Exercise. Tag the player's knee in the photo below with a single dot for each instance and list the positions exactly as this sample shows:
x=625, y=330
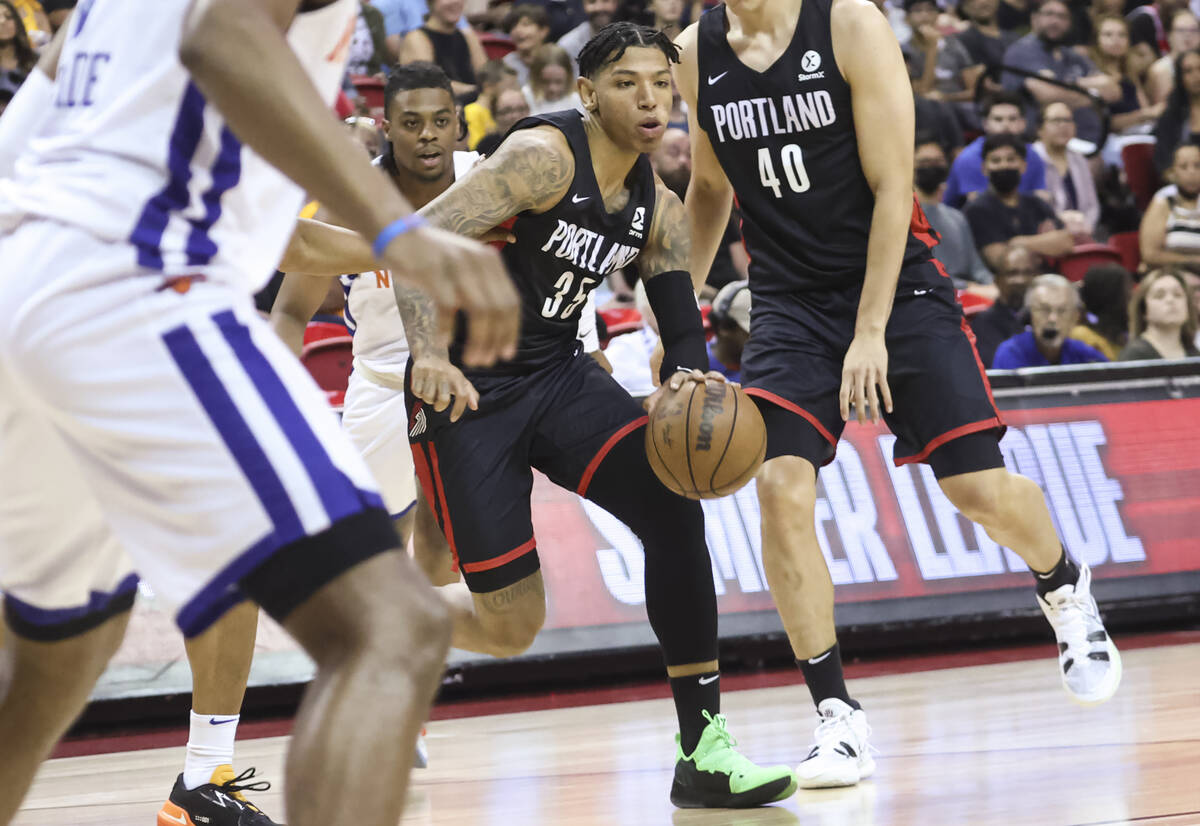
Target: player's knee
x=981, y=498
x=786, y=489
x=515, y=632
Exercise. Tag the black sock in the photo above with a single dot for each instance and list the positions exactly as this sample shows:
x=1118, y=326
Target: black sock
x=823, y=674
x=1064, y=572
x=694, y=694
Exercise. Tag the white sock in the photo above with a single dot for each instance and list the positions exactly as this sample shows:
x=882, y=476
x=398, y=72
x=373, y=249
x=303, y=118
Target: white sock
x=210, y=744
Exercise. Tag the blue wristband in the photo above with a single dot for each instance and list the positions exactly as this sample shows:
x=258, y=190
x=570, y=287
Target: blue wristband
x=394, y=230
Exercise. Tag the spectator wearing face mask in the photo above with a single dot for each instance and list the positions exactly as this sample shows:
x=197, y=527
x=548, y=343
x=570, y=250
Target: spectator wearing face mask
x=1006, y=317
x=1170, y=231
x=1002, y=216
x=1002, y=115
x=956, y=247
x=1053, y=308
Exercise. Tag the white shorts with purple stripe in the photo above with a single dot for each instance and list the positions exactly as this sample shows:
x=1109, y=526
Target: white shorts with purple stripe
x=150, y=430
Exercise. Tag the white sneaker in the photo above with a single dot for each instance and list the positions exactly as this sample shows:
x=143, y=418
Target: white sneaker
x=421, y=760
x=841, y=755
x=1090, y=662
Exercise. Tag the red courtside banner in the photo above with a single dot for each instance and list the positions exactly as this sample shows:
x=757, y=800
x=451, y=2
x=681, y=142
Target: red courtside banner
x=1122, y=480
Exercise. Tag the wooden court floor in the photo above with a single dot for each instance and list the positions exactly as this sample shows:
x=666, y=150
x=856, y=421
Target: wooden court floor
x=993, y=744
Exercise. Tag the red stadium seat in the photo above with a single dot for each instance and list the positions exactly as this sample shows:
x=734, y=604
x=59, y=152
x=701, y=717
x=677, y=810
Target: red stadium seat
x=972, y=303
x=325, y=330
x=329, y=361
x=621, y=320
x=370, y=88
x=1128, y=245
x=1140, y=172
x=1085, y=256
x=496, y=45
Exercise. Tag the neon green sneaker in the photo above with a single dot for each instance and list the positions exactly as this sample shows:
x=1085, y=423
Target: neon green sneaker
x=715, y=776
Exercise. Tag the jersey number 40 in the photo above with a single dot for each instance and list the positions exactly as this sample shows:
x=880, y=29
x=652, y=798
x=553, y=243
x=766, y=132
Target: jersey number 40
x=793, y=170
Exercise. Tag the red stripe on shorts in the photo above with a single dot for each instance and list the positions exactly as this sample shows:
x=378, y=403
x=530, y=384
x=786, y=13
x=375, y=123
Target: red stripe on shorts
x=594, y=465
x=795, y=408
x=503, y=559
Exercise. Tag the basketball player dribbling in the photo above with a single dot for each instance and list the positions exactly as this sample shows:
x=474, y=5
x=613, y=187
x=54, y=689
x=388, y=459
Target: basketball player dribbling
x=152, y=424
x=802, y=109
x=583, y=202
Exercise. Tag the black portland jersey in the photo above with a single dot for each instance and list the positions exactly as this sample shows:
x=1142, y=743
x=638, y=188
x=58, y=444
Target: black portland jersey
x=786, y=140
x=562, y=254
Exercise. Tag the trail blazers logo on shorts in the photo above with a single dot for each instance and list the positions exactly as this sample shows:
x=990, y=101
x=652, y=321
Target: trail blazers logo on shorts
x=418, y=425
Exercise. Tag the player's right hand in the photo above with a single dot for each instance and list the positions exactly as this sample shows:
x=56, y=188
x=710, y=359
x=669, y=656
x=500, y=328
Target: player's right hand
x=461, y=274
x=437, y=382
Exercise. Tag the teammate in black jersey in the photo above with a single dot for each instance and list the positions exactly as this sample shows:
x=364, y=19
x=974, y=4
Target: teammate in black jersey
x=802, y=109
x=583, y=202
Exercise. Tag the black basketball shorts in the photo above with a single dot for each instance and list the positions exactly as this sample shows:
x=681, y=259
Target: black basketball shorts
x=477, y=473
x=944, y=413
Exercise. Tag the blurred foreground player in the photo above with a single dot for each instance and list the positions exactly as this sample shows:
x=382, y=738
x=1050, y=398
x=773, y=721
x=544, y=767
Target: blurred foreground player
x=150, y=422
x=802, y=109
x=583, y=202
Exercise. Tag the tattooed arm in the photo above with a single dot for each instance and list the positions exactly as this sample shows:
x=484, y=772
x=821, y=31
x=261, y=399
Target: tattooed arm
x=669, y=244
x=532, y=170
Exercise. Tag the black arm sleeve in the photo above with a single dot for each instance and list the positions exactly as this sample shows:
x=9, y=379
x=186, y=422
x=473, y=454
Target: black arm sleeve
x=679, y=325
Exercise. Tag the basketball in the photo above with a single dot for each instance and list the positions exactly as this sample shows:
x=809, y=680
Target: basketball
x=705, y=441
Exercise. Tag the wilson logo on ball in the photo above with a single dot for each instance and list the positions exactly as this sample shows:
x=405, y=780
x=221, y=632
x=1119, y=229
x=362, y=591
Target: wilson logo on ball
x=714, y=405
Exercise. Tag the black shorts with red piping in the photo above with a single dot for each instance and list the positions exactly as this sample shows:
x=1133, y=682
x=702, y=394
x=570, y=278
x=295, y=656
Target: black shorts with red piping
x=477, y=473
x=944, y=413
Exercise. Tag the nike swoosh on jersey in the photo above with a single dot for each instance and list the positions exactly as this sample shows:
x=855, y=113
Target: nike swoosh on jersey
x=575, y=199
x=712, y=80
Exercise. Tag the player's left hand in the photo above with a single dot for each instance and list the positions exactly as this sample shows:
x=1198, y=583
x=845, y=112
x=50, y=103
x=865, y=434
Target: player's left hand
x=865, y=368
x=437, y=382
x=677, y=380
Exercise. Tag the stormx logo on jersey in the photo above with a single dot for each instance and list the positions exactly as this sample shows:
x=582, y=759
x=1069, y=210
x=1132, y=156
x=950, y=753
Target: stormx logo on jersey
x=810, y=63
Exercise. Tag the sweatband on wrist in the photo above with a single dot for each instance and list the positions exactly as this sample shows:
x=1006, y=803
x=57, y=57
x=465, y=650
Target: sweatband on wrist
x=24, y=117
x=394, y=230
x=679, y=325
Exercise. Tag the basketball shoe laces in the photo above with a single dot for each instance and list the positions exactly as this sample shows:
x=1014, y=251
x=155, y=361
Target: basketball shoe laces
x=1075, y=614
x=235, y=786
x=722, y=756
x=831, y=733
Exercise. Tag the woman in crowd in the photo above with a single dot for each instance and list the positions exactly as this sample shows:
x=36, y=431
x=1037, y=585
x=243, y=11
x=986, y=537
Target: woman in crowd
x=1183, y=35
x=17, y=57
x=668, y=16
x=551, y=81
x=1169, y=234
x=1162, y=319
x=457, y=51
x=1105, y=294
x=1181, y=116
x=1068, y=178
x=1111, y=53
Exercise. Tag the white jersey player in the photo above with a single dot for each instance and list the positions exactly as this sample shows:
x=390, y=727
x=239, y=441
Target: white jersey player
x=151, y=424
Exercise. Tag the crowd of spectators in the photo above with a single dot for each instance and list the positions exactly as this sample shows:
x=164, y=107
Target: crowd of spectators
x=1039, y=122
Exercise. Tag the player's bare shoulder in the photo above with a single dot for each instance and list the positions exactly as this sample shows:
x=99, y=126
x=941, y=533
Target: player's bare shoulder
x=857, y=27
x=542, y=159
x=687, y=71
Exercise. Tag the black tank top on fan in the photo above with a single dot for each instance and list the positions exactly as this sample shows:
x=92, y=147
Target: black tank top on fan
x=453, y=55
x=562, y=254
x=786, y=140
